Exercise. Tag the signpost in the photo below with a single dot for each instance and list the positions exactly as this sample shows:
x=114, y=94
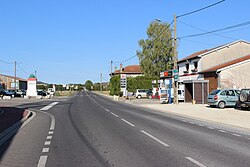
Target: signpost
x=123, y=84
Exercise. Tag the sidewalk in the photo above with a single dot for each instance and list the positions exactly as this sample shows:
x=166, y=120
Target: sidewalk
x=227, y=116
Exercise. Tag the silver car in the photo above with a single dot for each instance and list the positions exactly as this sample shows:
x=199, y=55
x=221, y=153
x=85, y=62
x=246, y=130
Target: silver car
x=223, y=98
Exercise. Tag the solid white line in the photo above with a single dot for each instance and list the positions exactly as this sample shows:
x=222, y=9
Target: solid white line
x=45, y=150
x=49, y=137
x=106, y=109
x=49, y=106
x=114, y=114
x=159, y=141
x=128, y=122
x=236, y=135
x=195, y=162
x=47, y=143
x=210, y=128
x=222, y=131
x=42, y=161
x=51, y=132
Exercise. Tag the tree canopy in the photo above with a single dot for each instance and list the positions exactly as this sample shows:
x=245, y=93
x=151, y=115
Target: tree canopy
x=88, y=84
x=156, y=53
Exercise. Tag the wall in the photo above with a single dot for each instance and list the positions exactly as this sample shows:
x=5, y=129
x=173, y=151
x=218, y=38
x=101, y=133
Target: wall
x=237, y=76
x=213, y=80
x=224, y=55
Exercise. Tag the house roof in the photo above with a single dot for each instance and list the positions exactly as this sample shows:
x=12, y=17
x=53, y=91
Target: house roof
x=215, y=68
x=12, y=77
x=206, y=51
x=131, y=69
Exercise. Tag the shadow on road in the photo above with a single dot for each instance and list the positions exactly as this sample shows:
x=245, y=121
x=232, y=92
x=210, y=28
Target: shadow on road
x=10, y=123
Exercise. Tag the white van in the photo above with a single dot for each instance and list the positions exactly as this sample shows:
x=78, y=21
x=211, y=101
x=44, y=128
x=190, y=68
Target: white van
x=141, y=93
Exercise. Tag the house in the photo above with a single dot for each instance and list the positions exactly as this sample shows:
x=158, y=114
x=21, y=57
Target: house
x=130, y=71
x=224, y=66
x=8, y=82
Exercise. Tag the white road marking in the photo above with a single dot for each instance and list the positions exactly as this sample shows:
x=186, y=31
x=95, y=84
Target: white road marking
x=114, y=114
x=151, y=136
x=49, y=137
x=51, y=132
x=47, y=143
x=236, y=135
x=49, y=106
x=200, y=125
x=222, y=131
x=45, y=150
x=183, y=120
x=53, y=122
x=192, y=123
x=128, y=122
x=106, y=109
x=210, y=127
x=42, y=161
x=195, y=162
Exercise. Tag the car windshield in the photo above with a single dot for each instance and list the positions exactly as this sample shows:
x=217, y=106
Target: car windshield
x=214, y=92
x=247, y=91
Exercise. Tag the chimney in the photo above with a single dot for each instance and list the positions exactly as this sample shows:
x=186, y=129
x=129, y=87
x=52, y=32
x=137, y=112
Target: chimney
x=121, y=67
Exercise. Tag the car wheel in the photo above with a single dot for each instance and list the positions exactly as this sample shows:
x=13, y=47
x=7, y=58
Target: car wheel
x=139, y=96
x=221, y=104
x=243, y=97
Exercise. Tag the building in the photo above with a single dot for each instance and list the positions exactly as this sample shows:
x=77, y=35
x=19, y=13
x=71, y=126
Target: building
x=8, y=82
x=224, y=66
x=130, y=71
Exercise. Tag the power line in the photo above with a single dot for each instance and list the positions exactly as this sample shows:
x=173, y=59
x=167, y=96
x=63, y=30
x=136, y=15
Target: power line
x=22, y=69
x=222, y=29
x=148, y=45
x=200, y=9
x=207, y=31
x=6, y=62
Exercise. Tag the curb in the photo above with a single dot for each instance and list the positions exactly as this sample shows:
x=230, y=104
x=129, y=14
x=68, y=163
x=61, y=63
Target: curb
x=9, y=132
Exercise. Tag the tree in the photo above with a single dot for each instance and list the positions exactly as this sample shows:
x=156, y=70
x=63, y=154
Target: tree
x=115, y=85
x=156, y=52
x=88, y=84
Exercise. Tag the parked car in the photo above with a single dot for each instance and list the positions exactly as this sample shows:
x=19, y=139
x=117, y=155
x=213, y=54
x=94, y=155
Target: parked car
x=141, y=93
x=222, y=98
x=244, y=99
x=6, y=92
x=149, y=94
x=20, y=93
x=41, y=93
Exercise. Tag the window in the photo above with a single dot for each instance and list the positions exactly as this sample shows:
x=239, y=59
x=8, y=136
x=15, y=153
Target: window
x=187, y=67
x=223, y=93
x=195, y=65
x=230, y=93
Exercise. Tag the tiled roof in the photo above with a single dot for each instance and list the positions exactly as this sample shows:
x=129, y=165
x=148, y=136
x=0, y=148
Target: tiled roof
x=196, y=54
x=132, y=69
x=215, y=68
x=17, y=78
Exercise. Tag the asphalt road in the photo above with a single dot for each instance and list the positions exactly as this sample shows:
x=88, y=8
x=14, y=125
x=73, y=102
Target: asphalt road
x=89, y=130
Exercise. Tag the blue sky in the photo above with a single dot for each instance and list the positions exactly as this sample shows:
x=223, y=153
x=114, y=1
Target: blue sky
x=71, y=41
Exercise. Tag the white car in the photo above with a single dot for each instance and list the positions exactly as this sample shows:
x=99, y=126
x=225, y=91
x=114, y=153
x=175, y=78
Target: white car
x=141, y=93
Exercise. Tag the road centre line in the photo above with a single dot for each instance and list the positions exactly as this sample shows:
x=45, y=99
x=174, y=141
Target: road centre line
x=236, y=135
x=49, y=106
x=106, y=109
x=128, y=122
x=154, y=138
x=222, y=131
x=49, y=137
x=47, y=143
x=114, y=114
x=45, y=150
x=195, y=162
x=51, y=132
x=42, y=161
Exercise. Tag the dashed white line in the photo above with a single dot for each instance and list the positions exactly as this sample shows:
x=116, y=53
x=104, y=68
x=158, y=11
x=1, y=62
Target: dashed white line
x=49, y=137
x=200, y=125
x=192, y=123
x=47, y=143
x=51, y=132
x=195, y=162
x=114, y=114
x=222, y=131
x=236, y=135
x=128, y=122
x=106, y=109
x=151, y=136
x=42, y=161
x=45, y=150
x=210, y=127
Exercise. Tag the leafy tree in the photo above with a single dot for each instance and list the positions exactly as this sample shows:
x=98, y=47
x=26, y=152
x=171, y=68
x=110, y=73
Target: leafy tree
x=140, y=82
x=156, y=52
x=88, y=84
x=114, y=85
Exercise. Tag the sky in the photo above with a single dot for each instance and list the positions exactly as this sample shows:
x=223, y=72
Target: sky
x=71, y=41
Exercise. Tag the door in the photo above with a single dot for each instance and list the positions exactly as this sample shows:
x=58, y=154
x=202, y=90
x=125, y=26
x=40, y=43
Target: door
x=231, y=97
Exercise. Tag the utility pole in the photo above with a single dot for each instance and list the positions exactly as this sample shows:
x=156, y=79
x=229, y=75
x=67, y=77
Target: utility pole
x=101, y=82
x=15, y=77
x=35, y=74
x=175, y=83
